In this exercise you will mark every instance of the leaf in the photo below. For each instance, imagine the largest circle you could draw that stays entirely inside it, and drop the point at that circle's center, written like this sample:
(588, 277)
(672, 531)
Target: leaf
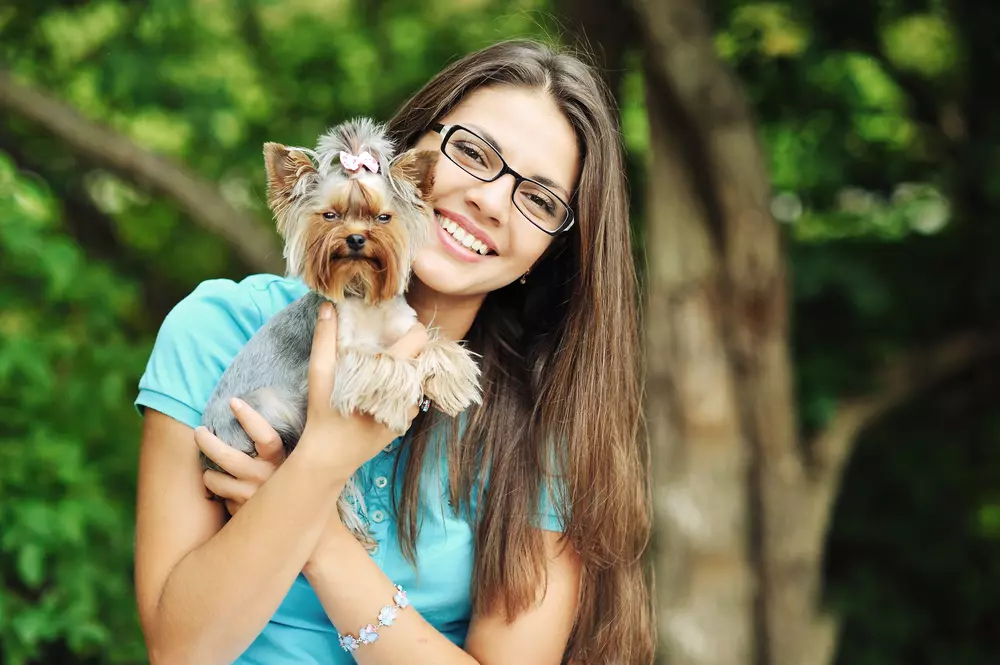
(31, 565)
(922, 43)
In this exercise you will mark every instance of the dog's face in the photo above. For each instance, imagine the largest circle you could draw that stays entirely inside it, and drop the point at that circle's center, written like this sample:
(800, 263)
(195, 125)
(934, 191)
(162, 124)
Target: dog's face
(350, 235)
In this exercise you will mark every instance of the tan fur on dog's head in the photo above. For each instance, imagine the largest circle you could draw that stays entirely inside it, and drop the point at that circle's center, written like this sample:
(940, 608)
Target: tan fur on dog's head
(351, 234)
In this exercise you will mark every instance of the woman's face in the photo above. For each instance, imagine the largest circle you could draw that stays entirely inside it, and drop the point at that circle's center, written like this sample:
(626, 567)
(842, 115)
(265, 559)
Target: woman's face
(537, 141)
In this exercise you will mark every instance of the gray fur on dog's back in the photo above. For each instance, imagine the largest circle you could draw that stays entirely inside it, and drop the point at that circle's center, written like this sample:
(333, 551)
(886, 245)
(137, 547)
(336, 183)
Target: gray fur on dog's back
(270, 374)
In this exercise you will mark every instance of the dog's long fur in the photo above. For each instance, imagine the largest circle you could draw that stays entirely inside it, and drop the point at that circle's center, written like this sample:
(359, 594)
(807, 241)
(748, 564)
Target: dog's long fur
(321, 209)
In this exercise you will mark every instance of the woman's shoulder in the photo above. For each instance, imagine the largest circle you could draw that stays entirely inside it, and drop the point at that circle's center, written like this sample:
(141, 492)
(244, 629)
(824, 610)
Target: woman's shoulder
(202, 334)
(247, 303)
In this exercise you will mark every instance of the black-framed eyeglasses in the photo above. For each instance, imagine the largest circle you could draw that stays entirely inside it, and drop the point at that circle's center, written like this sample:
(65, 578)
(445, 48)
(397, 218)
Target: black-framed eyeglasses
(477, 157)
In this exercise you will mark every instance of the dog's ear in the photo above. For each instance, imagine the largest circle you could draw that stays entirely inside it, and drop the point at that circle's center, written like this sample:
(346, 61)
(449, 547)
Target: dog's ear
(284, 167)
(416, 167)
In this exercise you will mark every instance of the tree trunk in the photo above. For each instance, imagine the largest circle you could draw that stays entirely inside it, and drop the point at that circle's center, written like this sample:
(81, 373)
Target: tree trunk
(739, 558)
(742, 508)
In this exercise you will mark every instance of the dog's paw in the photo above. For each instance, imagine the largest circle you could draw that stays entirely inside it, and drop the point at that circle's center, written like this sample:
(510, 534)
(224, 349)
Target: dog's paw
(382, 385)
(450, 376)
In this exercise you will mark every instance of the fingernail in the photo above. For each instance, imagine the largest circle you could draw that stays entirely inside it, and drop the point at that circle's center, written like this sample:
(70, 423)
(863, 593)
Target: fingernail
(236, 403)
(326, 310)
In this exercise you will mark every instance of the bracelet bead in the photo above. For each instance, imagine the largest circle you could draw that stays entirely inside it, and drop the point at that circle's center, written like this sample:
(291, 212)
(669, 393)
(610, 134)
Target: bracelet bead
(369, 634)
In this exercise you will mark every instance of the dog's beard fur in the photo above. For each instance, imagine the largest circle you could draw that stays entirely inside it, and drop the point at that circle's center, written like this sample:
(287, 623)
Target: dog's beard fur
(316, 249)
(376, 273)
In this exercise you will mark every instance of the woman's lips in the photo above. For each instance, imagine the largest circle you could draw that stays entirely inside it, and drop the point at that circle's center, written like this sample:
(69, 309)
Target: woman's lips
(470, 228)
(456, 249)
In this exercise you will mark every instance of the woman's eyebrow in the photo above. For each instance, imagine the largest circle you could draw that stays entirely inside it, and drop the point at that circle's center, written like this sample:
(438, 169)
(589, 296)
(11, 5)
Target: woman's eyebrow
(551, 184)
(540, 179)
(486, 135)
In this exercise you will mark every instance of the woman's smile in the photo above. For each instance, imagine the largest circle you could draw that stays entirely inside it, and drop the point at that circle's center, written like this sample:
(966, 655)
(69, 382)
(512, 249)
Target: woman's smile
(462, 239)
(482, 241)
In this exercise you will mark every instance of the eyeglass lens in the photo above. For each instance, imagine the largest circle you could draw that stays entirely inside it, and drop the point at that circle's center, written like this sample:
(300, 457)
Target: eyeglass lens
(479, 159)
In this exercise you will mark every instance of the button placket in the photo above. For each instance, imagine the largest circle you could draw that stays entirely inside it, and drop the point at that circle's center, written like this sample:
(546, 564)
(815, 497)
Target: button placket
(378, 473)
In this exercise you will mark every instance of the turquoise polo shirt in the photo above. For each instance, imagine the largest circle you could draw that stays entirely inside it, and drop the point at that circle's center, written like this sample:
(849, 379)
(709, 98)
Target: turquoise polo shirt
(197, 341)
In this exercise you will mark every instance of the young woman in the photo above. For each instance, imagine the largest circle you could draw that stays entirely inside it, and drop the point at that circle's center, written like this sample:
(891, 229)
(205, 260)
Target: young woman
(517, 531)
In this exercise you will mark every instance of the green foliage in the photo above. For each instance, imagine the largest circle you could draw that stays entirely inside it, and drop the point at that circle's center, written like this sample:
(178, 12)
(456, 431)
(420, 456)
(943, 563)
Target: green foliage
(880, 134)
(67, 448)
(923, 43)
(876, 132)
(90, 261)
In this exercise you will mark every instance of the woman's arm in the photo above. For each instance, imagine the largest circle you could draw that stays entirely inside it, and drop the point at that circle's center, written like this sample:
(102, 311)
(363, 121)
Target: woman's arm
(205, 590)
(352, 589)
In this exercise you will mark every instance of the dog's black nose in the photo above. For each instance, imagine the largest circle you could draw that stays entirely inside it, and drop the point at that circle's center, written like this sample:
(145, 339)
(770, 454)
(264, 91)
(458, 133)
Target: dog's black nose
(355, 241)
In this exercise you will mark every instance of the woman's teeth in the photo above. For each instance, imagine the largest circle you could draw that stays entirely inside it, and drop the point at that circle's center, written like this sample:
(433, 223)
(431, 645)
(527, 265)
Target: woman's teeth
(467, 240)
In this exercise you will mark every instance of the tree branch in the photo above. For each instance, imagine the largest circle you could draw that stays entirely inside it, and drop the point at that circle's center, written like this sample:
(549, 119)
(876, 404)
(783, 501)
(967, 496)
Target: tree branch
(257, 247)
(92, 230)
(901, 378)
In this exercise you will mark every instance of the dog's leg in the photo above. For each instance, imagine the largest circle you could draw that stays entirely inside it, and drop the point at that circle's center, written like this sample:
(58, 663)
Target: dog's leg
(285, 412)
(379, 384)
(450, 375)
(283, 409)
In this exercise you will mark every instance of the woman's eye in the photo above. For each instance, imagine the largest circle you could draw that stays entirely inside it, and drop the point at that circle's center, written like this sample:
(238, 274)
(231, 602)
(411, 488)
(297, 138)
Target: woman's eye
(541, 202)
(470, 151)
(385, 218)
(330, 216)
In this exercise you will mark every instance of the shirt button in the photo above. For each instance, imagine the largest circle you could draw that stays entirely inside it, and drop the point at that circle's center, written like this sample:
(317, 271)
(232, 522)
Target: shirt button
(378, 516)
(390, 447)
(381, 482)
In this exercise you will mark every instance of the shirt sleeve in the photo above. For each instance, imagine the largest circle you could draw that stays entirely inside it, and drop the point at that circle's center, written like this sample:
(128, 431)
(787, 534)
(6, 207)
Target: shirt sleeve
(198, 339)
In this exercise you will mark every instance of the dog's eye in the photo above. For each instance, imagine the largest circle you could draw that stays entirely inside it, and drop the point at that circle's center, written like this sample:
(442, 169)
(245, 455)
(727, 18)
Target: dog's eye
(385, 218)
(330, 216)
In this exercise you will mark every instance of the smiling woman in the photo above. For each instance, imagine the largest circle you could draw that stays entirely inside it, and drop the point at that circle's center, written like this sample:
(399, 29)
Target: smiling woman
(518, 529)
(479, 192)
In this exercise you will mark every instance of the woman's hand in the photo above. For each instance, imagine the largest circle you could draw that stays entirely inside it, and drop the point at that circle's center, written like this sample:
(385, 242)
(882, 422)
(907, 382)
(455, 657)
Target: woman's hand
(247, 473)
(357, 438)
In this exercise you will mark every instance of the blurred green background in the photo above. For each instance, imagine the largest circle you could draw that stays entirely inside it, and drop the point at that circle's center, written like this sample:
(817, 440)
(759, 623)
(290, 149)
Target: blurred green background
(882, 126)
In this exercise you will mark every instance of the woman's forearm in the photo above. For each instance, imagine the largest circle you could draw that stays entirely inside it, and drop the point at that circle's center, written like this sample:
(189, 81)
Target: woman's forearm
(352, 589)
(220, 596)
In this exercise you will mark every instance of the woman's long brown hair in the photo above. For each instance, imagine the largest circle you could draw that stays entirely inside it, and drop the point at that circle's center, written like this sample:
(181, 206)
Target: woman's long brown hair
(561, 405)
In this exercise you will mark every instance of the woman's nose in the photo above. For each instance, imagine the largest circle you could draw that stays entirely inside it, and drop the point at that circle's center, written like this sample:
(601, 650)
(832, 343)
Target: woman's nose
(493, 198)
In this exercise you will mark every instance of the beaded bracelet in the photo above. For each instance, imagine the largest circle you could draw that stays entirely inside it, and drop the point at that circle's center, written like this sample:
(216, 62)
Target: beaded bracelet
(369, 633)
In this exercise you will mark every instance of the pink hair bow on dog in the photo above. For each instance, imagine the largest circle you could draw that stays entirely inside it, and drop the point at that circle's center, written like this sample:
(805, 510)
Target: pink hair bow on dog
(354, 162)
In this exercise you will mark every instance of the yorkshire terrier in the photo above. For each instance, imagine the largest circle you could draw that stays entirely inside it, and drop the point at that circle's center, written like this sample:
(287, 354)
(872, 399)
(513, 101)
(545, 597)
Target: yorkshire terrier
(352, 217)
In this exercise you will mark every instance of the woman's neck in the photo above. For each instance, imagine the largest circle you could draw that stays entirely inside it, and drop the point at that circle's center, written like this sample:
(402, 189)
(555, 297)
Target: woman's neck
(452, 315)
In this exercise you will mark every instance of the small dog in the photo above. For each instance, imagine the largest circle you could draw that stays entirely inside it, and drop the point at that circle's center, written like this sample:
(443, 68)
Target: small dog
(352, 222)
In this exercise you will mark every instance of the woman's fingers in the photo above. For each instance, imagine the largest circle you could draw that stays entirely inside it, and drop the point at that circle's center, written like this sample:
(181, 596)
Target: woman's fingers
(323, 361)
(229, 488)
(265, 439)
(411, 344)
(235, 462)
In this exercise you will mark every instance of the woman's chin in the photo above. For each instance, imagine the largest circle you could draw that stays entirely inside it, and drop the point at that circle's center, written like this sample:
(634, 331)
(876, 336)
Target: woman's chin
(440, 275)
